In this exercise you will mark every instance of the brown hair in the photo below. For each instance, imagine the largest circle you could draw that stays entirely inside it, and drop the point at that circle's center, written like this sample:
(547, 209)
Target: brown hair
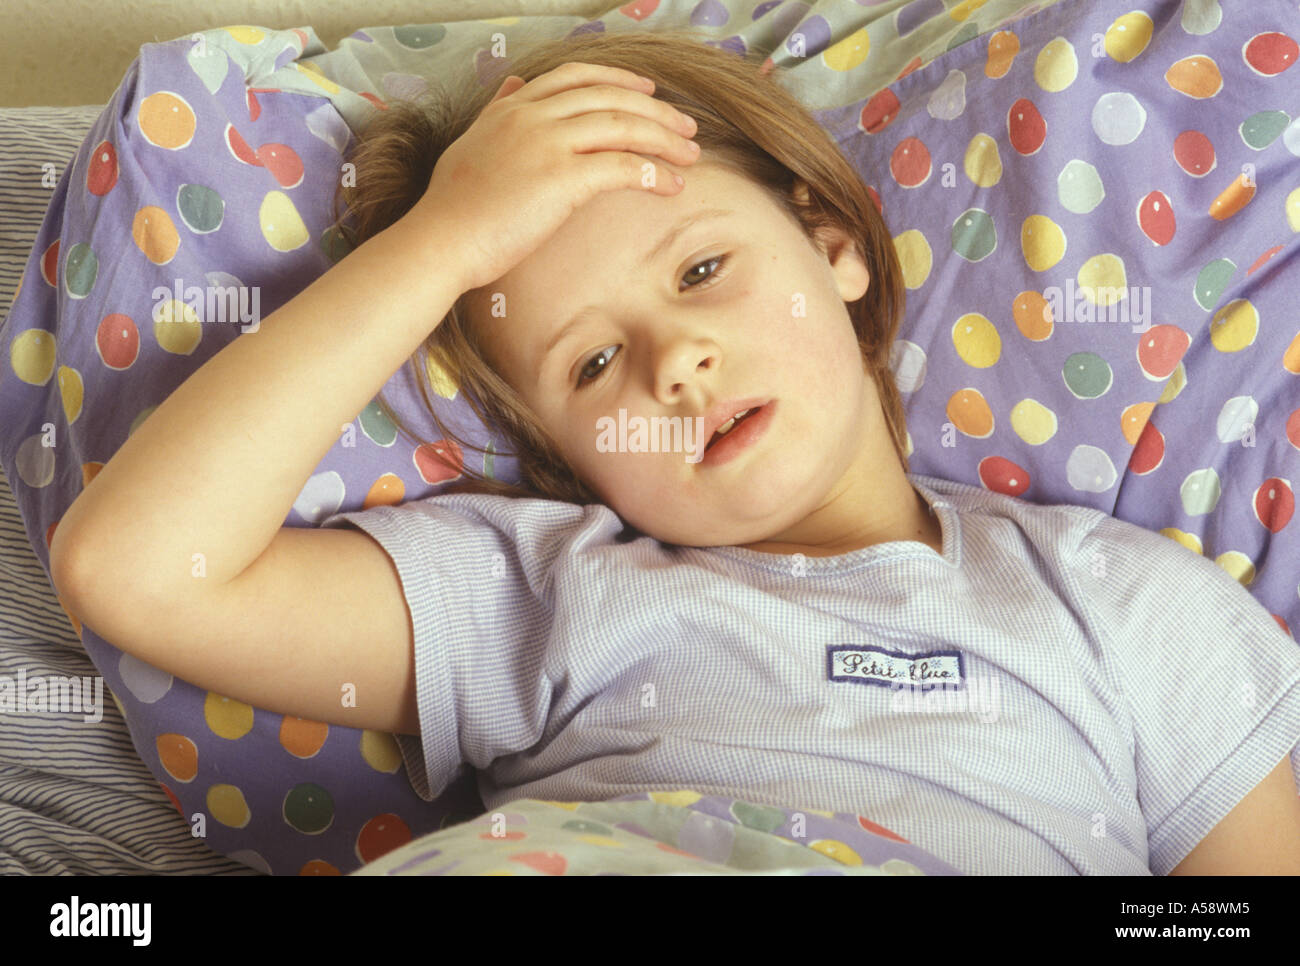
(746, 123)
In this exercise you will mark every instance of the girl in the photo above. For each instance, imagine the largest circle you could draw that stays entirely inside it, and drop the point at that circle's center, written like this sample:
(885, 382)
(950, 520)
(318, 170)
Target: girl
(792, 618)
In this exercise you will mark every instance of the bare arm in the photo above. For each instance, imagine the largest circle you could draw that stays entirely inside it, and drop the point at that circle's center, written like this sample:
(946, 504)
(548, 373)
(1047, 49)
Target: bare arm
(216, 468)
(1260, 836)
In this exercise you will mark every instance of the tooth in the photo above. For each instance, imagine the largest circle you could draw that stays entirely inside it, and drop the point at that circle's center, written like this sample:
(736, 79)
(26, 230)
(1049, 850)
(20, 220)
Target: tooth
(725, 427)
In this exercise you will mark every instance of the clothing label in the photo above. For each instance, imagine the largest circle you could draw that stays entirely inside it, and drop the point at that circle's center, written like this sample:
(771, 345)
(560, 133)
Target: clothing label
(894, 669)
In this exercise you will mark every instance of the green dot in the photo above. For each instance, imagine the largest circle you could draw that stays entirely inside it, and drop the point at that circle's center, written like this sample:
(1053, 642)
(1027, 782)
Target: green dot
(309, 808)
(376, 424)
(765, 818)
(1087, 375)
(1211, 281)
(418, 37)
(200, 208)
(80, 269)
(967, 32)
(973, 235)
(334, 244)
(588, 828)
(1261, 129)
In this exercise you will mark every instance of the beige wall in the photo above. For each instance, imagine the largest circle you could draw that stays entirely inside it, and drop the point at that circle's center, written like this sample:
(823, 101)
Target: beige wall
(65, 52)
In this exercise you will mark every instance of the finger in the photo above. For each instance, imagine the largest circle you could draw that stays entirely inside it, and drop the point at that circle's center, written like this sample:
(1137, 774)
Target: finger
(617, 131)
(508, 87)
(577, 74)
(617, 170)
(603, 97)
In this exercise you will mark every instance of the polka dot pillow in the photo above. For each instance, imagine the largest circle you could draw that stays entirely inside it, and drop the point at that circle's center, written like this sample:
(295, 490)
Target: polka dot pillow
(200, 202)
(1096, 211)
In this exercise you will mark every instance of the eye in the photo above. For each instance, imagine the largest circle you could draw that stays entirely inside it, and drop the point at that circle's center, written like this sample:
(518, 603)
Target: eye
(717, 273)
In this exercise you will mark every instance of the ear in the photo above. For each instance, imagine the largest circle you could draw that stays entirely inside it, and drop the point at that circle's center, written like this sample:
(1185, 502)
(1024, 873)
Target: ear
(840, 251)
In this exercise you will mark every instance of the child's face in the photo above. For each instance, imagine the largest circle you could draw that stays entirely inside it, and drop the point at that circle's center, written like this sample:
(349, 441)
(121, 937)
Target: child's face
(667, 339)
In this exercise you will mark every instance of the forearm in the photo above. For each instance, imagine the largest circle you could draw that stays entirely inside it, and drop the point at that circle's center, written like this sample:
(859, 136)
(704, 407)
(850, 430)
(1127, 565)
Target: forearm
(216, 467)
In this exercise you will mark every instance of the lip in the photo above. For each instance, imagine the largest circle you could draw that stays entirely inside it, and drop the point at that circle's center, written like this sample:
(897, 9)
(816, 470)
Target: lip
(742, 436)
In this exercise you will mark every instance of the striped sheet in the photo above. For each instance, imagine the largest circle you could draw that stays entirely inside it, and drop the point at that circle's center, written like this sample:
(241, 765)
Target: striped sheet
(75, 798)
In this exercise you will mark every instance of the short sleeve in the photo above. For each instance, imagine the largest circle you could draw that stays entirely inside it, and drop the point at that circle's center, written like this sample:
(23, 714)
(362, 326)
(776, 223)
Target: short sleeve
(1211, 681)
(476, 572)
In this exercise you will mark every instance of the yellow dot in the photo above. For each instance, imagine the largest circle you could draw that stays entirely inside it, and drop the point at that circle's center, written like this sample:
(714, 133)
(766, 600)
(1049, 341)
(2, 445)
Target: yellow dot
(848, 53)
(982, 163)
(603, 840)
(251, 36)
(834, 849)
(440, 380)
(228, 718)
(1033, 422)
(1189, 540)
(1234, 326)
(1128, 36)
(1042, 241)
(226, 804)
(914, 256)
(316, 76)
(282, 226)
(1238, 565)
(1056, 66)
(380, 751)
(965, 9)
(683, 797)
(176, 327)
(1293, 209)
(72, 392)
(976, 340)
(31, 355)
(1102, 279)
(1174, 386)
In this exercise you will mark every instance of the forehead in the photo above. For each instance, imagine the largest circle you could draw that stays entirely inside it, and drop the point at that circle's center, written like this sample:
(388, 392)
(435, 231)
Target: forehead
(596, 251)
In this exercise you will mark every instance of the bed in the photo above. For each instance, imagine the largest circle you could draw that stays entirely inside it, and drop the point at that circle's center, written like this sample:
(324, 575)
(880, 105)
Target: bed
(121, 795)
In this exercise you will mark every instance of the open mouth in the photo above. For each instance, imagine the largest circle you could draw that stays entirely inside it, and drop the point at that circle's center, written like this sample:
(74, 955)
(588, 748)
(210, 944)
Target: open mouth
(718, 436)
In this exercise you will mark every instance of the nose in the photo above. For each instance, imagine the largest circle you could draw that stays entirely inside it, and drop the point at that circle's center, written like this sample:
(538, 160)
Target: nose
(683, 358)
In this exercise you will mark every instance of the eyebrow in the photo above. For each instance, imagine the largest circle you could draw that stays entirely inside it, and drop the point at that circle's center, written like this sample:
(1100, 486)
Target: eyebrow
(665, 244)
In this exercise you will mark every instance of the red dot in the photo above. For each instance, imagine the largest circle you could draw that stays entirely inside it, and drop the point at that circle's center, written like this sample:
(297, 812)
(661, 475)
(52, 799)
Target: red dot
(381, 835)
(1194, 153)
(910, 162)
(1263, 258)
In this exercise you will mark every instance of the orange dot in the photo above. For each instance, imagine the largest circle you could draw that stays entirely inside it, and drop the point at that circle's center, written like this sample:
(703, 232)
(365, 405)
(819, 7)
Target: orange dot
(1033, 315)
(302, 738)
(388, 490)
(179, 756)
(1003, 47)
(1291, 358)
(1134, 419)
(970, 413)
(1234, 197)
(1195, 76)
(166, 120)
(318, 867)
